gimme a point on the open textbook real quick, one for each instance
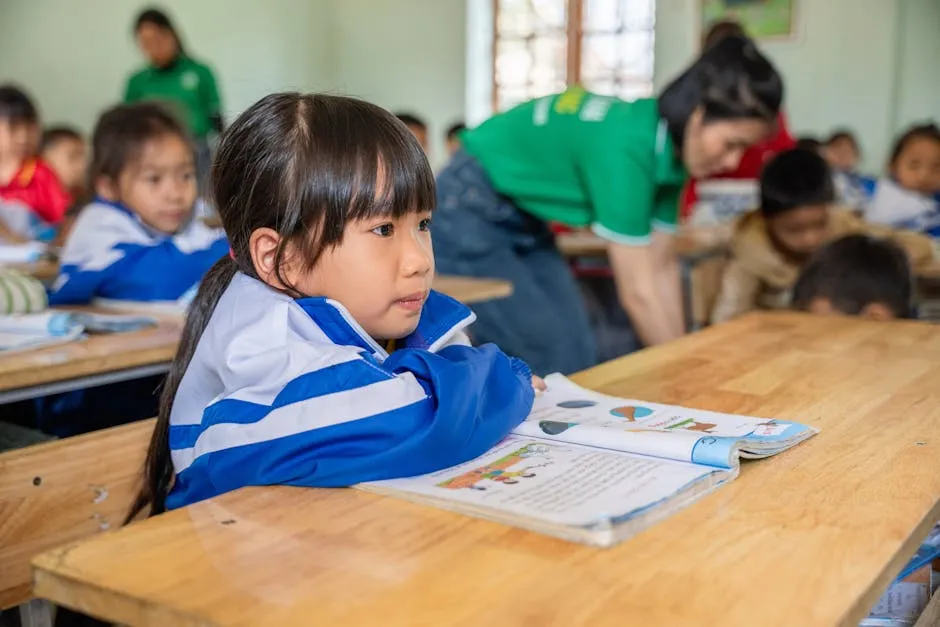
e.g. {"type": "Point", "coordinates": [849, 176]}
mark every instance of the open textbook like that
{"type": "Point", "coordinates": [597, 469]}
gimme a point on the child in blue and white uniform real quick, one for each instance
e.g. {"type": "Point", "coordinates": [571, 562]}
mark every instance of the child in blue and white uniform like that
{"type": "Point", "coordinates": [908, 198]}
{"type": "Point", "coordinates": [138, 240]}
{"type": "Point", "coordinates": [317, 354]}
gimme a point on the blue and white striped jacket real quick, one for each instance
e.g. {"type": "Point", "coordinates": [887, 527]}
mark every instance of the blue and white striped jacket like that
{"type": "Point", "coordinates": [111, 254]}
{"type": "Point", "coordinates": [284, 391]}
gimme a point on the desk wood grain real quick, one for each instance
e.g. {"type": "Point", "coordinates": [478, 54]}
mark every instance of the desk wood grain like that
{"type": "Point", "coordinates": [809, 538]}
{"type": "Point", "coordinates": [470, 290]}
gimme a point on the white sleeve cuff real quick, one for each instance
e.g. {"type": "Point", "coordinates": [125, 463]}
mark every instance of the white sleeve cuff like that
{"type": "Point", "coordinates": [619, 238]}
{"type": "Point", "coordinates": [664, 227]}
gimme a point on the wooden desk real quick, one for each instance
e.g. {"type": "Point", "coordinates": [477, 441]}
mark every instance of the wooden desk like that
{"type": "Point", "coordinates": [469, 290]}
{"type": "Point", "coordinates": [809, 538]}
{"type": "Point", "coordinates": [98, 360]}
{"type": "Point", "coordinates": [691, 244]}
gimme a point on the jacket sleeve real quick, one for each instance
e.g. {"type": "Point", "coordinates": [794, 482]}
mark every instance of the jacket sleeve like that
{"type": "Point", "coordinates": [132, 271]}
{"type": "Point", "coordinates": [356, 421]}
{"type": "Point", "coordinates": [738, 293]}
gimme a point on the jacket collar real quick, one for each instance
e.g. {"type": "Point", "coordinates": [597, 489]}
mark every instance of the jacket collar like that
{"type": "Point", "coordinates": [441, 319]}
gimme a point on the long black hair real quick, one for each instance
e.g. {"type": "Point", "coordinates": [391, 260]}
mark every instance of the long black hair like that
{"type": "Point", "coordinates": [161, 20]}
{"type": "Point", "coordinates": [730, 80]}
{"type": "Point", "coordinates": [305, 166]}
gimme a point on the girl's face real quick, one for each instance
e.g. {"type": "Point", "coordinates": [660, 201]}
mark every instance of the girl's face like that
{"type": "Point", "coordinates": [381, 272]}
{"type": "Point", "coordinates": [158, 44]}
{"type": "Point", "coordinates": [713, 147]}
{"type": "Point", "coordinates": [160, 187]}
{"type": "Point", "coordinates": [918, 166]}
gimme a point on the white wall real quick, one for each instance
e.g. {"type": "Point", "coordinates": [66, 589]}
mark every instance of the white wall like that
{"type": "Point", "coordinates": [405, 55]}
{"type": "Point", "coordinates": [255, 47]}
{"type": "Point", "coordinates": [919, 77]}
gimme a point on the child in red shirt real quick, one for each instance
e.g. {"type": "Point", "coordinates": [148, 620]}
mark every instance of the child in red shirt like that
{"type": "Point", "coordinates": [24, 178]}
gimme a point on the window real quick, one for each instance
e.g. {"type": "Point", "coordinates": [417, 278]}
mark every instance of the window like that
{"type": "Point", "coordinates": [540, 46]}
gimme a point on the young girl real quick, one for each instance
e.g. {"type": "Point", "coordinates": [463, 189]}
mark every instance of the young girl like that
{"type": "Point", "coordinates": [315, 354]}
{"type": "Point", "coordinates": [138, 240]}
{"type": "Point", "coordinates": [908, 198]}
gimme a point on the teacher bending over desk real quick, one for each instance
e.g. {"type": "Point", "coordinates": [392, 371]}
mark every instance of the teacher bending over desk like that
{"type": "Point", "coordinates": [586, 160]}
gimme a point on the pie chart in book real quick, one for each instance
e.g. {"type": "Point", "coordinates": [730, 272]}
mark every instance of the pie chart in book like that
{"type": "Point", "coordinates": [631, 412]}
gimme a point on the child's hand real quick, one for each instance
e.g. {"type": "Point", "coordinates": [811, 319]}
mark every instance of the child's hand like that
{"type": "Point", "coordinates": [538, 384]}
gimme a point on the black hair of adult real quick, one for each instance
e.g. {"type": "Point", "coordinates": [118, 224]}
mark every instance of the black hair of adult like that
{"type": "Point", "coordinates": [121, 133]}
{"type": "Point", "coordinates": [317, 163]}
{"type": "Point", "coordinates": [54, 134]}
{"type": "Point", "coordinates": [795, 178]}
{"type": "Point", "coordinates": [160, 19]}
{"type": "Point", "coordinates": [731, 80]}
{"type": "Point", "coordinates": [856, 271]}
{"type": "Point", "coordinates": [16, 106]}
{"type": "Point", "coordinates": [919, 131]}
{"type": "Point", "coordinates": [721, 29]}
{"type": "Point", "coordinates": [455, 129]}
{"type": "Point", "coordinates": [410, 119]}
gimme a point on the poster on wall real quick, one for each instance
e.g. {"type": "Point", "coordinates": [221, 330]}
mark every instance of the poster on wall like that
{"type": "Point", "coordinates": [761, 19]}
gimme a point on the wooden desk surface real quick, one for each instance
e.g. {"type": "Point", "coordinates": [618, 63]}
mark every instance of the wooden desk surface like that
{"type": "Point", "coordinates": [689, 243]}
{"type": "Point", "coordinates": [469, 290]}
{"type": "Point", "coordinates": [811, 537]}
{"type": "Point", "coordinates": [95, 355]}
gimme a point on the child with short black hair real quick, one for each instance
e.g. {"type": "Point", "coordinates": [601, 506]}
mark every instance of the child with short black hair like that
{"type": "Point", "coordinates": [417, 126]}
{"type": "Point", "coordinates": [453, 137]}
{"type": "Point", "coordinates": [842, 153]}
{"type": "Point", "coordinates": [25, 179]}
{"type": "Point", "coordinates": [138, 240]}
{"type": "Point", "coordinates": [63, 149]}
{"type": "Point", "coordinates": [771, 245]}
{"type": "Point", "coordinates": [857, 275]}
{"type": "Point", "coordinates": [907, 198]}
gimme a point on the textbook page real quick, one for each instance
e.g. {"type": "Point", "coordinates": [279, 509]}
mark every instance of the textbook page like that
{"type": "Point", "coordinates": [568, 412]}
{"type": "Point", "coordinates": [523, 479]}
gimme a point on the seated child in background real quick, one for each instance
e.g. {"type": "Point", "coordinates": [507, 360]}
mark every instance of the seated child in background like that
{"type": "Point", "coordinates": [317, 354]}
{"type": "Point", "coordinates": [453, 137]}
{"type": "Point", "coordinates": [770, 246]}
{"type": "Point", "coordinates": [25, 179]}
{"type": "Point", "coordinates": [63, 150]}
{"type": "Point", "coordinates": [842, 153]}
{"type": "Point", "coordinates": [418, 128]}
{"type": "Point", "coordinates": [907, 199]}
{"type": "Point", "coordinates": [138, 240]}
{"type": "Point", "coordinates": [857, 275]}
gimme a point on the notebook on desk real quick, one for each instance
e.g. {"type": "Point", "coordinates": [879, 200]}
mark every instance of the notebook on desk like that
{"type": "Point", "coordinates": [597, 469]}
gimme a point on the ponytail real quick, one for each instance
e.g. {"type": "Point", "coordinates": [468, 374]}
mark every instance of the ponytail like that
{"type": "Point", "coordinates": [158, 468]}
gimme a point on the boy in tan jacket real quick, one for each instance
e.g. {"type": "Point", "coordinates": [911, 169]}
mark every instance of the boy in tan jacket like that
{"type": "Point", "coordinates": [771, 245]}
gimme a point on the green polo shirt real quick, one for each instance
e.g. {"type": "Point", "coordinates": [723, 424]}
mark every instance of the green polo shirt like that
{"type": "Point", "coordinates": [582, 159]}
{"type": "Point", "coordinates": [187, 86]}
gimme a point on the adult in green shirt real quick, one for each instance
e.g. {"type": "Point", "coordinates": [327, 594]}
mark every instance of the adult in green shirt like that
{"type": "Point", "coordinates": [186, 85]}
{"type": "Point", "coordinates": [592, 161]}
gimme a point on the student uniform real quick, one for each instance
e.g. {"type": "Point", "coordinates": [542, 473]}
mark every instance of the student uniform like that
{"type": "Point", "coordinates": [285, 391]}
{"type": "Point", "coordinates": [36, 187]}
{"type": "Point", "coordinates": [575, 158]}
{"type": "Point", "coordinates": [112, 254]}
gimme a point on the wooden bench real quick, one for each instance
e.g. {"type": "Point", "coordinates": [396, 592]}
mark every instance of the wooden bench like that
{"type": "Point", "coordinates": [58, 492]}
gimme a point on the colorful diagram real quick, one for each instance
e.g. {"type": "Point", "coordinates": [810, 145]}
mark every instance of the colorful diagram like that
{"type": "Point", "coordinates": [631, 413]}
{"type": "Point", "coordinates": [576, 404]}
{"type": "Point", "coordinates": [498, 471]}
